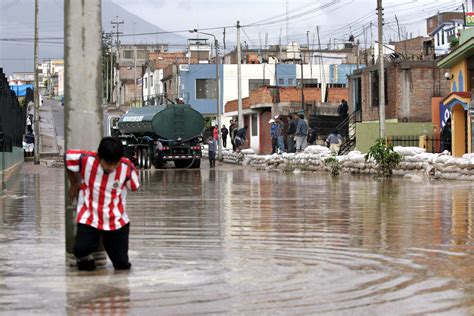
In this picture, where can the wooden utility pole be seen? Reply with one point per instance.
(239, 78)
(36, 95)
(381, 72)
(83, 94)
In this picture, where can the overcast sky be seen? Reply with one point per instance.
(335, 18)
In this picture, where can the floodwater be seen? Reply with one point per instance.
(240, 241)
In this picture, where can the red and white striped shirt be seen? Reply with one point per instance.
(101, 201)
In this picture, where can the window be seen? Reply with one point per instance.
(307, 82)
(206, 89)
(146, 82)
(127, 54)
(151, 81)
(442, 37)
(254, 125)
(281, 81)
(437, 39)
(142, 54)
(257, 83)
(291, 82)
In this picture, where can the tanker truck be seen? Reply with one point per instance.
(154, 135)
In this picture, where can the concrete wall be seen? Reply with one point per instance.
(9, 164)
(368, 132)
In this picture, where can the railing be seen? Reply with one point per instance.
(12, 117)
(347, 128)
(432, 144)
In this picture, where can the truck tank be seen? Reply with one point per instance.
(170, 122)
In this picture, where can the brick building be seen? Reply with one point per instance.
(266, 102)
(409, 88)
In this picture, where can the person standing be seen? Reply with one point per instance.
(273, 136)
(212, 148)
(224, 133)
(343, 108)
(232, 131)
(301, 134)
(99, 181)
(280, 137)
(215, 132)
(446, 137)
(291, 133)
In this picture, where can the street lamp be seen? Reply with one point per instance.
(218, 113)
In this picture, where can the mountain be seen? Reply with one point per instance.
(17, 22)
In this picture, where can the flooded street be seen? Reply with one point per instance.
(239, 241)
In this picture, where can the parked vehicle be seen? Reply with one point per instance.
(154, 135)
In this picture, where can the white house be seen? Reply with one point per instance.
(443, 34)
(152, 86)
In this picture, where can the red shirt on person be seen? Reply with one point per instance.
(102, 196)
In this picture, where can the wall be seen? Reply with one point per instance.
(264, 133)
(188, 84)
(9, 164)
(368, 132)
(459, 83)
(410, 87)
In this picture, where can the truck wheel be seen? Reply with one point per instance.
(144, 158)
(196, 164)
(149, 155)
(139, 158)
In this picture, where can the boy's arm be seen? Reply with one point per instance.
(73, 168)
(74, 184)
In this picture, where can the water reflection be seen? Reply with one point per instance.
(234, 240)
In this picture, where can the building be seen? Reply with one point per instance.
(152, 75)
(433, 22)
(446, 36)
(131, 58)
(417, 48)
(410, 88)
(197, 81)
(266, 102)
(458, 101)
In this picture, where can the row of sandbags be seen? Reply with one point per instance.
(415, 160)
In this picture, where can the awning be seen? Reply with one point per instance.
(462, 98)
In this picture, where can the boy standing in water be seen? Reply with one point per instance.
(100, 182)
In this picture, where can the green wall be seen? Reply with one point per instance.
(8, 159)
(368, 132)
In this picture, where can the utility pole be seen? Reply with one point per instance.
(302, 86)
(116, 25)
(239, 78)
(135, 75)
(381, 71)
(321, 66)
(310, 57)
(36, 96)
(83, 93)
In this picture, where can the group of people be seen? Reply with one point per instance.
(298, 133)
(237, 139)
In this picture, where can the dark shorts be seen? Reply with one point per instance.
(115, 244)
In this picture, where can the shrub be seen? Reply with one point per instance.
(333, 164)
(384, 156)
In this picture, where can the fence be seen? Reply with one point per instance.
(431, 143)
(12, 117)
